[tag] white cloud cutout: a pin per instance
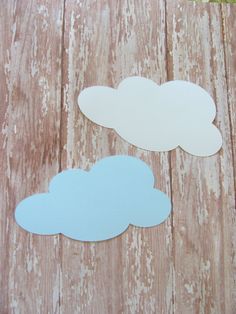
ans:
(156, 118)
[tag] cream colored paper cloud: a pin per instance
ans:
(156, 118)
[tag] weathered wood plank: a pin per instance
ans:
(203, 188)
(104, 43)
(30, 82)
(229, 29)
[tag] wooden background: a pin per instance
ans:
(50, 50)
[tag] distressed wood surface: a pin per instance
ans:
(203, 188)
(30, 60)
(50, 51)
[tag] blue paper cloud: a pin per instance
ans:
(98, 204)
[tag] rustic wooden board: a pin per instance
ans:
(103, 47)
(50, 51)
(229, 24)
(203, 188)
(30, 80)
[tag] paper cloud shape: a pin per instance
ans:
(98, 204)
(156, 118)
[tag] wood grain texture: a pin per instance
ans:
(30, 150)
(229, 23)
(50, 51)
(122, 274)
(203, 188)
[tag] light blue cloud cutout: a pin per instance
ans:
(98, 204)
